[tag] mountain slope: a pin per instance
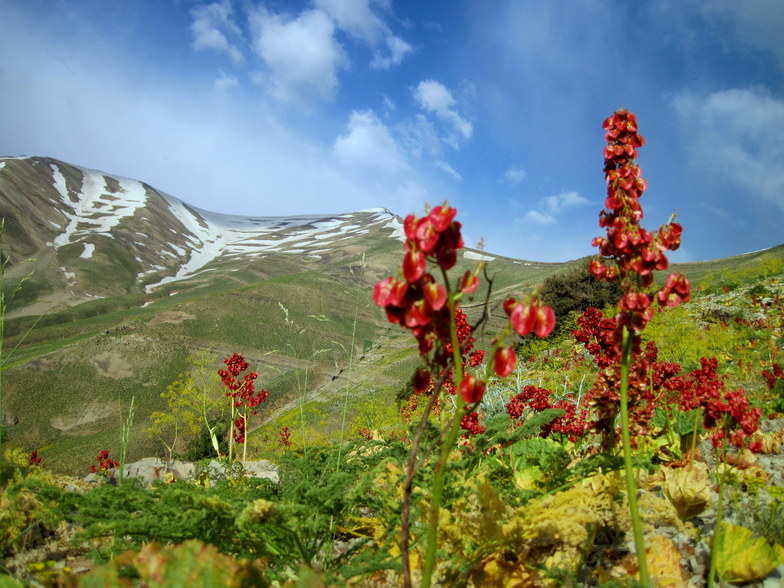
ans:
(94, 234)
(126, 283)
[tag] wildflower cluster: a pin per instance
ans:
(242, 393)
(727, 413)
(431, 310)
(647, 376)
(34, 460)
(471, 425)
(105, 463)
(572, 424)
(773, 374)
(284, 437)
(417, 302)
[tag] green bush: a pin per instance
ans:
(575, 290)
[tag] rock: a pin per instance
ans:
(262, 469)
(153, 469)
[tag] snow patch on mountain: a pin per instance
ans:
(96, 210)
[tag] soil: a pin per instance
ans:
(111, 365)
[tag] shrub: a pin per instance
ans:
(576, 290)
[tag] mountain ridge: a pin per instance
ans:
(97, 324)
(70, 213)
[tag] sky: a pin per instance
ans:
(273, 107)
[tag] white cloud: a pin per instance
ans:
(757, 24)
(539, 218)
(551, 207)
(224, 82)
(389, 104)
(357, 18)
(211, 25)
(444, 166)
(514, 175)
(419, 137)
(739, 136)
(432, 96)
(398, 49)
(555, 205)
(368, 143)
(301, 53)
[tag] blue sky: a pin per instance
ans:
(281, 107)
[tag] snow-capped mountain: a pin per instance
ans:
(84, 221)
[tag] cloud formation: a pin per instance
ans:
(514, 175)
(212, 26)
(552, 206)
(739, 137)
(368, 143)
(301, 53)
(434, 97)
(357, 18)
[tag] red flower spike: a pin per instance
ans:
(472, 389)
(504, 361)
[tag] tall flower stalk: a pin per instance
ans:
(630, 255)
(243, 398)
(430, 309)
(125, 439)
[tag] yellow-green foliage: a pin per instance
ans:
(193, 402)
(20, 508)
(552, 532)
(192, 563)
(684, 339)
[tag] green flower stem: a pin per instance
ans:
(719, 513)
(631, 488)
(125, 439)
(231, 429)
(446, 448)
(694, 436)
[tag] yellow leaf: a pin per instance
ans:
(664, 562)
(689, 490)
(529, 478)
(502, 571)
(742, 557)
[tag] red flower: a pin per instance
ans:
(469, 283)
(413, 265)
(442, 216)
(435, 294)
(472, 389)
(530, 317)
(504, 361)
